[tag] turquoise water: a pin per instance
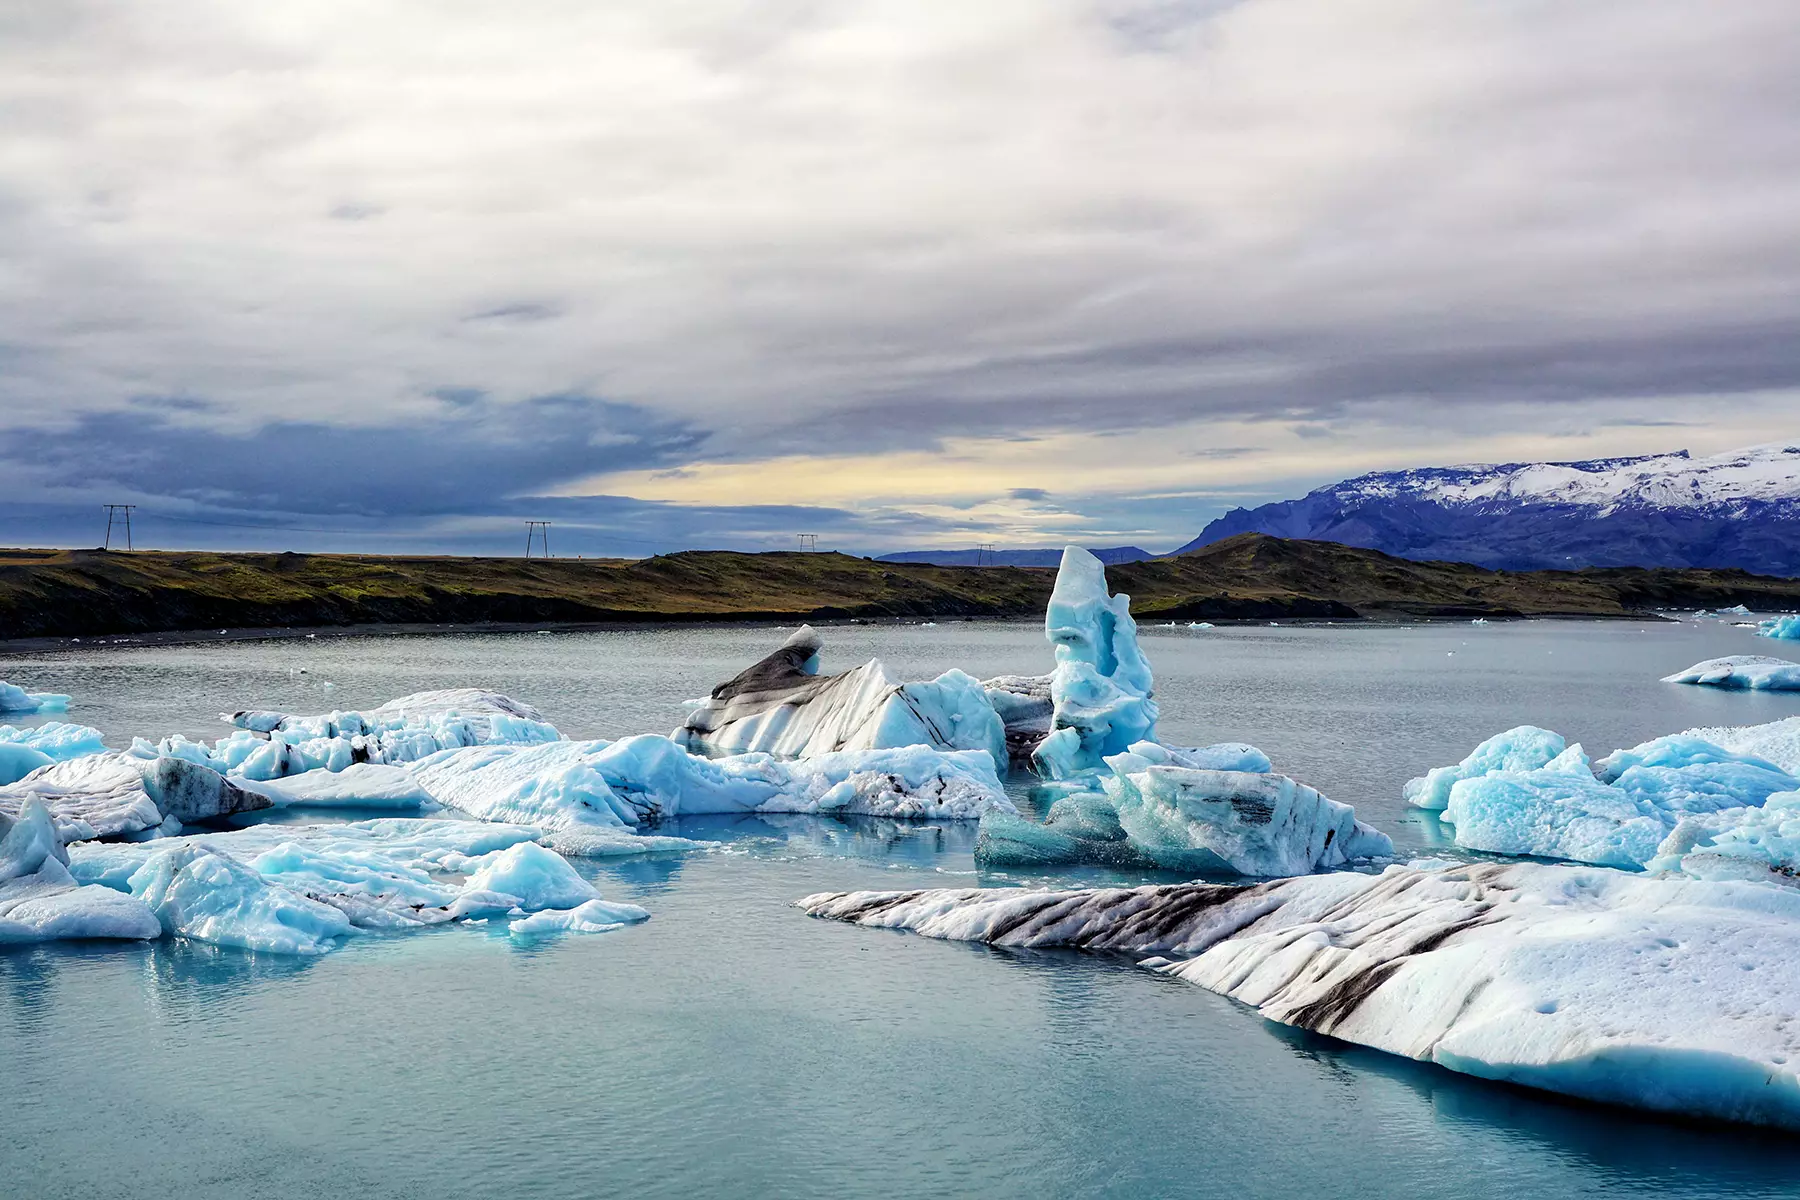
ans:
(733, 1047)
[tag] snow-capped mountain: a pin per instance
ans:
(1740, 509)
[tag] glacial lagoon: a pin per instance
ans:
(733, 1046)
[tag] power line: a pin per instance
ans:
(535, 530)
(809, 542)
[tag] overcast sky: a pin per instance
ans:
(678, 274)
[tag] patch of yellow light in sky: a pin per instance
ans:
(1199, 458)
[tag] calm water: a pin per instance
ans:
(730, 1046)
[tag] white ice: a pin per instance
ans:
(15, 699)
(1751, 672)
(1761, 844)
(1668, 994)
(1101, 688)
(1613, 813)
(595, 916)
(41, 901)
(534, 878)
(359, 785)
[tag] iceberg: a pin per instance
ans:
(1215, 810)
(1787, 628)
(1777, 742)
(57, 740)
(1100, 692)
(782, 705)
(17, 761)
(1751, 672)
(1025, 708)
(208, 896)
(15, 699)
(112, 795)
(1667, 994)
(275, 745)
(589, 797)
(595, 916)
(1736, 610)
(534, 878)
(369, 887)
(1614, 813)
(41, 901)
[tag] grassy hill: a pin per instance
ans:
(76, 593)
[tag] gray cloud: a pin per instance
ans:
(844, 227)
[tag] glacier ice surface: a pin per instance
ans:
(1662, 993)
(1751, 672)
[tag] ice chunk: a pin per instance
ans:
(18, 761)
(98, 796)
(1523, 748)
(1101, 689)
(782, 705)
(1667, 994)
(1777, 742)
(40, 900)
(1215, 810)
(1787, 627)
(536, 877)
(1736, 610)
(360, 785)
(417, 843)
(59, 740)
(1754, 672)
(611, 787)
(1614, 815)
(596, 916)
(1761, 844)
(14, 699)
(211, 897)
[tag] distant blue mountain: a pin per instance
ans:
(1011, 558)
(1668, 510)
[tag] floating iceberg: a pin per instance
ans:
(359, 785)
(1736, 610)
(1216, 810)
(111, 795)
(595, 916)
(372, 889)
(1614, 813)
(1752, 672)
(534, 878)
(589, 796)
(57, 740)
(1668, 994)
(1787, 628)
(209, 896)
(1101, 689)
(39, 899)
(273, 745)
(14, 699)
(782, 705)
(1761, 844)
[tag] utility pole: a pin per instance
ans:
(121, 514)
(984, 554)
(809, 542)
(537, 533)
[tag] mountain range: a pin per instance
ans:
(1739, 509)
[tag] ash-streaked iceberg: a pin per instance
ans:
(1668, 994)
(113, 795)
(41, 901)
(1747, 672)
(15, 699)
(1786, 628)
(1101, 694)
(782, 705)
(1217, 810)
(1616, 812)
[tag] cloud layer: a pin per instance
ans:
(423, 265)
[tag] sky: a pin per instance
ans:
(309, 274)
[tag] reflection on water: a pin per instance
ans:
(732, 1046)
